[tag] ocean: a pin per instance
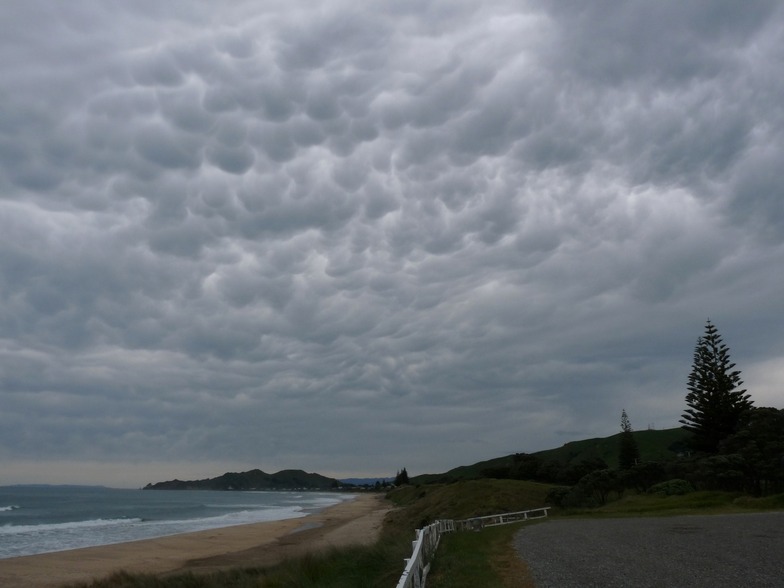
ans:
(40, 519)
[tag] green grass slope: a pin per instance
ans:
(462, 500)
(654, 446)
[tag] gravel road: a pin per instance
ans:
(718, 551)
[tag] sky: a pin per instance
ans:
(354, 237)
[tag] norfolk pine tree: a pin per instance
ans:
(715, 401)
(628, 452)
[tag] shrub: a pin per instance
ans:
(642, 476)
(672, 488)
(579, 497)
(556, 495)
(599, 484)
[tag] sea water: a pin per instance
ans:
(40, 519)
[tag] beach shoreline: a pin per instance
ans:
(355, 521)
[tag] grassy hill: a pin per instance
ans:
(654, 446)
(660, 445)
(461, 500)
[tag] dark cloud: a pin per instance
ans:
(668, 42)
(354, 239)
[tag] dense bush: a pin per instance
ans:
(599, 484)
(675, 487)
(642, 476)
(748, 460)
(557, 494)
(592, 490)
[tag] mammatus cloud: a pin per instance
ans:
(353, 239)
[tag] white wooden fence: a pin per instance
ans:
(424, 548)
(427, 539)
(477, 523)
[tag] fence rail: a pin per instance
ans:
(424, 547)
(427, 539)
(476, 523)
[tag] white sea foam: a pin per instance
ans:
(149, 515)
(18, 540)
(241, 517)
(64, 527)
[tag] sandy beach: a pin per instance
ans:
(357, 521)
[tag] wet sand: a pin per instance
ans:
(352, 522)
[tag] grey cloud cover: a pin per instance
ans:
(354, 238)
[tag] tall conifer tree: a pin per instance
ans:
(628, 452)
(715, 400)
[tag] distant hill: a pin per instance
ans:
(366, 481)
(661, 445)
(253, 480)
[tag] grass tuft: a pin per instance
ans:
(484, 558)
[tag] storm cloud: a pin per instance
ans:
(353, 238)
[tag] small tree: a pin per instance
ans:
(715, 400)
(598, 484)
(628, 452)
(401, 478)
